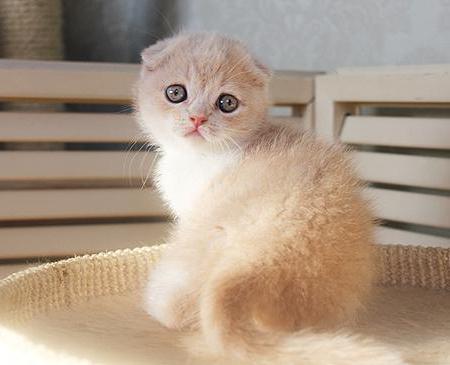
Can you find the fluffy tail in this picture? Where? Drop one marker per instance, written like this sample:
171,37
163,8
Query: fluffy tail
256,317
302,348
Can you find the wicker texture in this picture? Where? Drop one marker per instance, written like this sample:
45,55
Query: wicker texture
69,282
74,281
408,266
31,29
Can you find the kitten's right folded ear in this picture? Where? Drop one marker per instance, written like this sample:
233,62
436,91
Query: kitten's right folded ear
153,56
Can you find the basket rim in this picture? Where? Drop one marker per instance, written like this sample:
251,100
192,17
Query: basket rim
76,280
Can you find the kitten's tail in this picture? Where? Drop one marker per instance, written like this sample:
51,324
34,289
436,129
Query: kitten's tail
302,348
228,335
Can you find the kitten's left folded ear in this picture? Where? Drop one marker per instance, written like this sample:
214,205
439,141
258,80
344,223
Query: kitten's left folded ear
153,56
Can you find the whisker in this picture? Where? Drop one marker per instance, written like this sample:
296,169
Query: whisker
166,21
147,154
127,162
150,171
235,143
125,109
130,166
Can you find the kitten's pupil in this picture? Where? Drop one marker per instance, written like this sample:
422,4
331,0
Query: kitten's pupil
227,103
176,93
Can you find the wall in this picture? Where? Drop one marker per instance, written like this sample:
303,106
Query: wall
325,34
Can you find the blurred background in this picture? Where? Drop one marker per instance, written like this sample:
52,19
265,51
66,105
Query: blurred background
286,34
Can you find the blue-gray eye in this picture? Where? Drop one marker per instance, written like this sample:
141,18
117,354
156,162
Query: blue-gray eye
176,93
227,103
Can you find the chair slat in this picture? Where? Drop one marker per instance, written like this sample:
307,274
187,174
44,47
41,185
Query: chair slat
402,206
47,241
76,166
294,122
397,131
68,81
68,127
421,171
79,203
386,236
292,87
7,269
424,86
112,83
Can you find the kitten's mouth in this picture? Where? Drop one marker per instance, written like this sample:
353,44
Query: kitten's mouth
194,133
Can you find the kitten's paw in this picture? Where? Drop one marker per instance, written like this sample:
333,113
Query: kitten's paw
170,296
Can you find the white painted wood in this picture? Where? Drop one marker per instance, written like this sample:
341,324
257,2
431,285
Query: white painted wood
112,83
76,166
338,97
8,269
68,127
417,87
335,93
292,87
402,206
392,236
421,171
296,122
73,81
395,70
397,131
79,203
23,242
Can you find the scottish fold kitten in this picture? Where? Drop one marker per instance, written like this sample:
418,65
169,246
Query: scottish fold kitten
272,235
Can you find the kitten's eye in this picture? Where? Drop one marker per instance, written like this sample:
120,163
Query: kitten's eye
227,103
176,93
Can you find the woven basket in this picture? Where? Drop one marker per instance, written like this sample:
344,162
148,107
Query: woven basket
89,307
31,29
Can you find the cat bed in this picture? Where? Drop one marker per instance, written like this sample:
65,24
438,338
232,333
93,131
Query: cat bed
87,310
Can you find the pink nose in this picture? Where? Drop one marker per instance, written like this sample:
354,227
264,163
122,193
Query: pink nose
198,120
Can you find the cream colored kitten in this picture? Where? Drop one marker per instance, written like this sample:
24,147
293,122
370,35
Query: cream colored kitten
272,233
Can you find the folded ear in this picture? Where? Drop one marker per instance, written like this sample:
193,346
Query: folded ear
261,72
153,56
262,68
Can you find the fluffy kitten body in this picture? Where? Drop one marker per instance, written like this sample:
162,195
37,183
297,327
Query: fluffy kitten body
272,233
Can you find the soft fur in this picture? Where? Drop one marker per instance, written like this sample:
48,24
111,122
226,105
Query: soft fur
272,233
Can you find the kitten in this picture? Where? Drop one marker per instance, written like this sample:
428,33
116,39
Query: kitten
272,233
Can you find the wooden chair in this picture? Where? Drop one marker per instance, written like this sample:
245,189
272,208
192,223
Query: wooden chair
89,193
398,121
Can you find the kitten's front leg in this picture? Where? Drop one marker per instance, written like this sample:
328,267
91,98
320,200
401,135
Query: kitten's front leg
174,286
170,294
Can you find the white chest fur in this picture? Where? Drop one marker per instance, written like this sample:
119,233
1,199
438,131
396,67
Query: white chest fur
181,177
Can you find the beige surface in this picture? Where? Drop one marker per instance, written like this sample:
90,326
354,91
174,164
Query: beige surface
338,94
8,269
385,235
68,127
60,241
410,170
80,203
397,131
112,166
404,206
90,308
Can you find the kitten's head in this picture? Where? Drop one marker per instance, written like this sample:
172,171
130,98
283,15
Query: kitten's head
202,91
